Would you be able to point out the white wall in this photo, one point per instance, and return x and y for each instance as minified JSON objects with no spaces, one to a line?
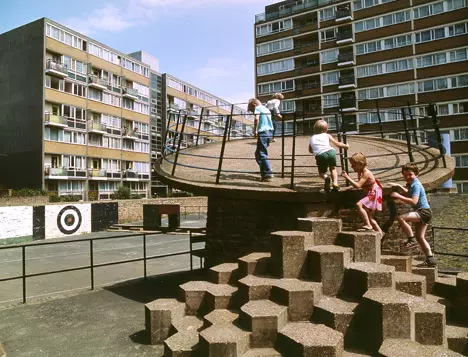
{"x":67,"y":220}
{"x":16,"y":222}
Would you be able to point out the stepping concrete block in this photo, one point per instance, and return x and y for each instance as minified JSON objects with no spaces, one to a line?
{"x":220,"y":317}
{"x":307,"y":339}
{"x":429,"y":320}
{"x":388,"y":315}
{"x":429,"y":273}
{"x":457,"y":339}
{"x":401,"y":263}
{"x":264,"y":318}
{"x":446,"y":287}
{"x":262,"y":352}
{"x":450,"y":310}
{"x":360,"y":277}
{"x":324,"y":229}
{"x":187,"y":324}
{"x":223,"y":340}
{"x":327,"y":264}
{"x":406,"y":348}
{"x":221,"y":296}
{"x":159,"y":316}
{"x":193,"y":293}
{"x":289,"y":252}
{"x":181,"y":345}
{"x":335,"y":313}
{"x":300,"y":296}
{"x":365,"y":245}
{"x":254,"y":264}
{"x":462,"y":297}
{"x":410,"y":283}
{"x":356,"y":353}
{"x":255,"y":288}
{"x":224,"y":273}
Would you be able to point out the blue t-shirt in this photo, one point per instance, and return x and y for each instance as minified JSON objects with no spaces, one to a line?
{"x":417,"y":189}
{"x":264,"y":121}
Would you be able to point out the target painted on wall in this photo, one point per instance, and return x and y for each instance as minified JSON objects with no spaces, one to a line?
{"x":67,"y":220}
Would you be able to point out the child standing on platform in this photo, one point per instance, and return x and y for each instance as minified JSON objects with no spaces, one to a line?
{"x":273,"y":105}
{"x":415,"y":195}
{"x":325,"y":154}
{"x":367,"y":206}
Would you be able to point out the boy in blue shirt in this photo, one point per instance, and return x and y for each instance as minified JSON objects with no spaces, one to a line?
{"x":415,"y":195}
{"x":263,"y":131}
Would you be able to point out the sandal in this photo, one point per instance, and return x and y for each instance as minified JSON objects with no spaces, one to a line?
{"x":364,"y":229}
{"x":411,"y":243}
{"x":430,"y":262}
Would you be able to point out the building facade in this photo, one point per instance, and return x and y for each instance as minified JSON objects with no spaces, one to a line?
{"x":352,"y":57}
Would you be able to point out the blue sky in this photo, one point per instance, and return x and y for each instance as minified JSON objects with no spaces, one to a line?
{"x":208,"y":43}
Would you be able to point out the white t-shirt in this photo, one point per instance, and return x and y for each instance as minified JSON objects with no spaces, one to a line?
{"x":320,"y":143}
{"x":273,"y":105}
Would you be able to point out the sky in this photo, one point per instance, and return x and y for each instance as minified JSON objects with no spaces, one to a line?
{"x":207,"y":43}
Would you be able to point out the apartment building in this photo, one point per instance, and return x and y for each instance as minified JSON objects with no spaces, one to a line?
{"x":74,"y":114}
{"x":206,"y":113}
{"x":350,"y":57}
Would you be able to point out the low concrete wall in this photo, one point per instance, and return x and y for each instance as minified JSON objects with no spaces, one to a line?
{"x":24,"y":201}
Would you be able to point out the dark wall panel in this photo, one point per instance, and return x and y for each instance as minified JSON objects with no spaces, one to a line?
{"x":103,"y":215}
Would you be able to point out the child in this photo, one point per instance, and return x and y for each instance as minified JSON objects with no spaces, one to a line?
{"x":415,"y":195}
{"x":372,"y":189}
{"x":273,"y":105}
{"x":325,"y":155}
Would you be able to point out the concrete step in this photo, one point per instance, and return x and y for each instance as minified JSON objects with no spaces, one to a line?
{"x":221,"y":296}
{"x":187,"y":324}
{"x":182,"y":344}
{"x":326,"y":264}
{"x":462,"y":297}
{"x":262,"y":352}
{"x":220,"y":317}
{"x":324,"y":229}
{"x":457,"y":339}
{"x":159,"y":316}
{"x":224,"y":273}
{"x":446,"y":287}
{"x":223,"y":340}
{"x":289,"y":253}
{"x":410,"y":283}
{"x":429,"y":273}
{"x":264,"y":318}
{"x":193,"y":293}
{"x":254,"y":264}
{"x":387,"y":314}
{"x":335,"y":313}
{"x":360,"y":277}
{"x":355,"y":353}
{"x":365,"y":245}
{"x":450,"y":309}
{"x":255,"y":288}
{"x":308,"y":339}
{"x":300,"y":296}
{"x":429,"y":323}
{"x":402,"y":263}
{"x":406,"y":348}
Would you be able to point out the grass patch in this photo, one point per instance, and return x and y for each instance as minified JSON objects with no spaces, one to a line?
{"x":16,"y":240}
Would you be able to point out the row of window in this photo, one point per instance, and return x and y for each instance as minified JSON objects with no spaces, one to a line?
{"x":275,"y":67}
{"x":275,"y":46}
{"x":439,"y":7}
{"x":386,"y":67}
{"x":387,"y":20}
{"x":79,"y":162}
{"x":441,"y":32}
{"x":96,"y":50}
{"x":280,"y":86}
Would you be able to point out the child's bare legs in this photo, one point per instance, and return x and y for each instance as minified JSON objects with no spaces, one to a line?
{"x":421,"y":237}
{"x":374,"y":223}
{"x":364,"y":216}
{"x":334,"y":175}
{"x":323,"y":175}
{"x":404,"y":225}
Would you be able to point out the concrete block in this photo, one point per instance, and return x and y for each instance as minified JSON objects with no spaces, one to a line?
{"x":220,"y":317}
{"x":410,"y":283}
{"x":405,"y":348}
{"x":360,"y":277}
{"x":159,"y":316}
{"x":187,"y":324}
{"x":335,"y":313}
{"x":221,"y":296}
{"x":255,"y":288}
{"x":446,"y":287}
{"x":429,"y":319}
{"x":365,"y":245}
{"x":457,"y":339}
{"x":224,"y":273}
{"x":462,"y":297}
{"x":300,"y":296}
{"x":324,"y":229}
{"x":401,"y":263}
{"x":223,"y":340}
{"x":262,"y":352}
{"x":429,"y":273}
{"x":254,"y":264}
{"x":193,"y":293}
{"x":264,"y":318}
{"x":181,"y":345}
{"x":327,"y":264}
{"x":289,"y":252}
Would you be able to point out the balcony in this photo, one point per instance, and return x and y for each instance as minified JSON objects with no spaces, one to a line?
{"x":98,"y":174}
{"x":130,"y":134}
{"x":133,"y":175}
{"x":59,"y":173}
{"x":307,"y":47}
{"x":273,"y":15}
{"x":347,"y":81}
{"x":55,"y":120}
{"x":130,"y":93}
{"x":346,"y":59}
{"x":96,"y":127}
{"x":97,"y":82}
{"x":343,"y":37}
{"x":348,"y":104}
{"x":343,"y":15}
{"x":56,"y":69}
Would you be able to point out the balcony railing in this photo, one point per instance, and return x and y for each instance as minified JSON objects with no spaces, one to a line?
{"x":344,"y":35}
{"x":96,"y":126}
{"x":345,"y":80}
{"x":64,"y":172}
{"x":130,"y":133}
{"x":342,"y":13}
{"x":56,"y":67}
{"x":97,"y":81}
{"x":130,"y":92}
{"x":53,"y":119}
{"x":347,"y":103}
{"x":97,"y":172}
{"x":346,"y":57}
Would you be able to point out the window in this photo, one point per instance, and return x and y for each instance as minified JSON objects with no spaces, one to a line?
{"x":331,"y":100}
{"x":328,"y":14}
{"x":273,"y":47}
{"x":439,"y":7}
{"x":329,"y":56}
{"x":328,"y":35}
{"x":443,"y":83}
{"x":283,"y":86}
{"x":386,"y":20}
{"x":386,"y":67}
{"x":275,"y":67}
{"x":65,"y":37}
{"x":462,"y":187}
{"x":287,"y":106}
{"x":278,"y":26}
{"x":330,"y":78}
{"x":386,"y":44}
{"x":389,"y":91}
{"x":461,"y":161}
{"x":362,"y":4}
{"x":459,"y":134}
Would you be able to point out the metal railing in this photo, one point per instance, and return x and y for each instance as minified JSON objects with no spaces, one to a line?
{"x":55,"y":119}
{"x":56,"y":66}
{"x":130,"y":91}
{"x":344,"y":35}
{"x":346,"y":57}
{"x":98,"y":80}
{"x":92,"y":265}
